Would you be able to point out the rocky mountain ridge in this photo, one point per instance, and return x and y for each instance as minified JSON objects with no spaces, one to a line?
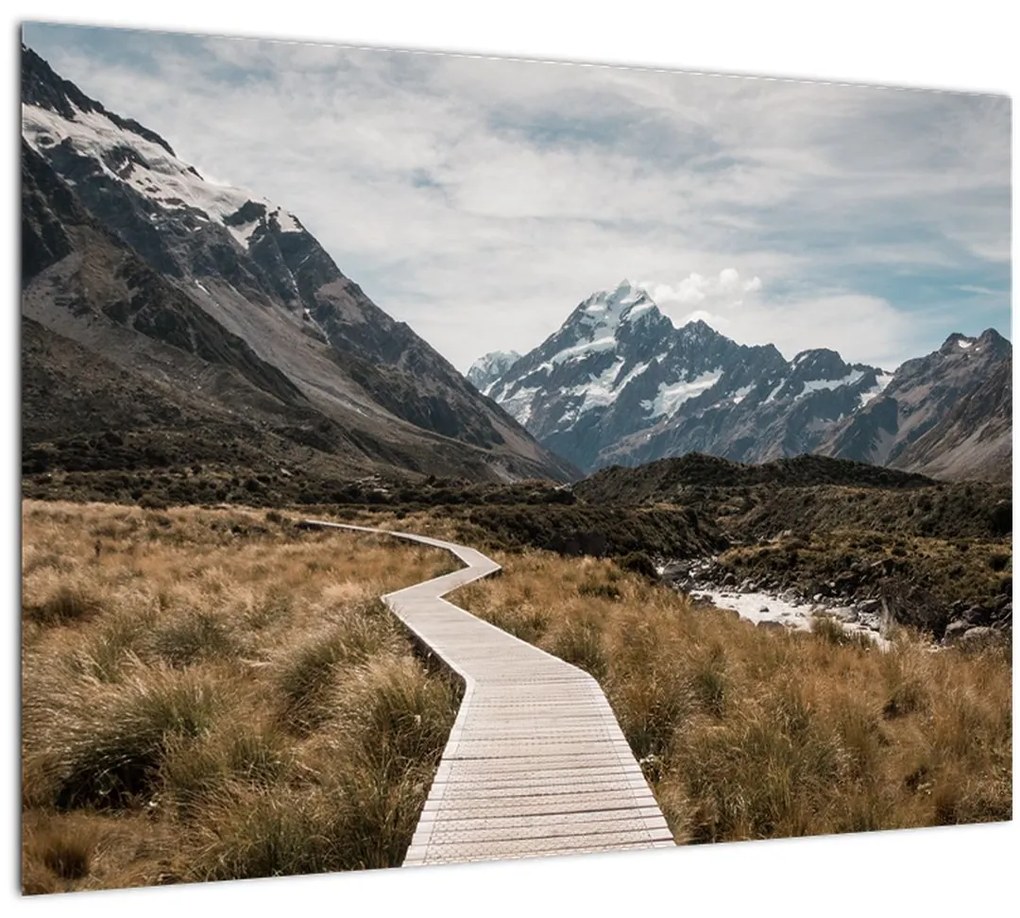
{"x":618,"y":383}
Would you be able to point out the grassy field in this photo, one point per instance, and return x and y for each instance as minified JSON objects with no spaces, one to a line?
{"x":746,"y":733}
{"x":213,"y":694}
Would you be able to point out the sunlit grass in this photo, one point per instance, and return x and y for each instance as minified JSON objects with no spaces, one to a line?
{"x":746,"y":733}
{"x":211,"y":694}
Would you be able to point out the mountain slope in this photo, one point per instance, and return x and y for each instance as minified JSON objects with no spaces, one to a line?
{"x":258,"y":275}
{"x":119,"y":366}
{"x":947,"y":414}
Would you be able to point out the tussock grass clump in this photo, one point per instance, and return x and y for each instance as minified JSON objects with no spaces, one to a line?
{"x":236,"y":702}
{"x":67,"y":603}
{"x":308,"y":675}
{"x":104,"y":745}
{"x":356,"y":800}
{"x":57,"y":854}
{"x":252,"y":755}
{"x":745,"y":733}
{"x":194,"y":636}
{"x":269,"y":833}
{"x":400,"y":713}
{"x":578,"y":640}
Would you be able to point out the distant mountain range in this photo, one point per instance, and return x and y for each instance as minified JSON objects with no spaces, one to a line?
{"x":177,"y":317}
{"x":618,"y":383}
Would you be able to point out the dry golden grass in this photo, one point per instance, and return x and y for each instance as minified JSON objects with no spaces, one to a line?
{"x":211,"y":694}
{"x":746,"y":733}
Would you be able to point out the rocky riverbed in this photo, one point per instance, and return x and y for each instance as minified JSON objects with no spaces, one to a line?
{"x":705,"y":581}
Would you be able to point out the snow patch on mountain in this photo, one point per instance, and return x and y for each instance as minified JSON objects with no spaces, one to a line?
{"x":672,"y":395}
{"x":775,"y":391}
{"x":741,"y":394}
{"x":580,"y":351}
{"x":519,"y":405}
{"x":601,"y":389}
{"x":882,"y":380}
{"x":149,"y":169}
{"x":817,"y":385}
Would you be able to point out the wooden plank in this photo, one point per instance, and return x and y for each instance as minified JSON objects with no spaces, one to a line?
{"x":536,"y":763}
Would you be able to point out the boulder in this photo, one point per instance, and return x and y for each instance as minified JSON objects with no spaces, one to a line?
{"x":955,"y":631}
{"x":869,"y":606}
{"x":771,"y":626}
{"x":978,"y":615}
{"x":979,"y":637}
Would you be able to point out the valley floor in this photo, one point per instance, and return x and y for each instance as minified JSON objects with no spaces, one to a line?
{"x":215,"y":693}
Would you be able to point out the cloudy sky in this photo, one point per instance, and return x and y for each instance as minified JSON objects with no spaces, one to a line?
{"x":480,"y":200}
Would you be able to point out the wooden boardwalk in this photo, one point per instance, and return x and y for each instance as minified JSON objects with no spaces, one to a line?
{"x":536,"y":763}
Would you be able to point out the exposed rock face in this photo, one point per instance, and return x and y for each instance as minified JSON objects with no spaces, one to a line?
{"x":244,"y":270}
{"x":618,"y":383}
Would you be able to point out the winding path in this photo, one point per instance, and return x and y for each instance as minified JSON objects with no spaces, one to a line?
{"x":536,"y":762}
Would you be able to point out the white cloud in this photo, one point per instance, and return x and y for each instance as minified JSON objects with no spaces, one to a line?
{"x":739,"y":308}
{"x":480,"y":200}
{"x":724,"y":290}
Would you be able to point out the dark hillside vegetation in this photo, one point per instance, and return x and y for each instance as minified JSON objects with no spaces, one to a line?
{"x":932,"y":551}
{"x":667,"y":478}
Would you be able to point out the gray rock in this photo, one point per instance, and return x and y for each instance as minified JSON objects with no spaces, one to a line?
{"x":955,"y":631}
{"x":869,"y":606}
{"x":771,"y":626}
{"x":979,"y":637}
{"x":978,"y":615}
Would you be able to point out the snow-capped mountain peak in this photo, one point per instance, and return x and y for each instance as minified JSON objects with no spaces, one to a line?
{"x":61,"y":122}
{"x":611,"y":387}
{"x":603,"y":312}
{"x":488,"y":368}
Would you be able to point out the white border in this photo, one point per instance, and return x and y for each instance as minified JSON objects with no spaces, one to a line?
{"x":968,"y":46}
